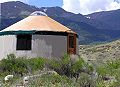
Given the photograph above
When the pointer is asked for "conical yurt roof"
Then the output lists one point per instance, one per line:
(38, 23)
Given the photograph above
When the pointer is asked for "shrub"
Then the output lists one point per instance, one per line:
(21, 65)
(13, 65)
(67, 66)
(109, 74)
(52, 80)
(78, 66)
(111, 68)
(84, 80)
(36, 64)
(61, 66)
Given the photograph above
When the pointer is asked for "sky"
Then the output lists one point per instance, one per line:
(76, 6)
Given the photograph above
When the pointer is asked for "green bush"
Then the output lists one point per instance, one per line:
(111, 71)
(13, 65)
(84, 80)
(36, 63)
(67, 66)
(78, 65)
(52, 80)
(61, 66)
(111, 68)
(21, 65)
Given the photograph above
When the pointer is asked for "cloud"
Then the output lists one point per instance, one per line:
(71, 5)
(2, 1)
(89, 6)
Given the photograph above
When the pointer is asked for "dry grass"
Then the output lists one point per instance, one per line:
(101, 52)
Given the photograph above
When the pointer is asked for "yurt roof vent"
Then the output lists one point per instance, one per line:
(38, 13)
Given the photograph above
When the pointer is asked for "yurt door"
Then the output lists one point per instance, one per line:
(71, 43)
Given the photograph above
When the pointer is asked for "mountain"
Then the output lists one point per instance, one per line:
(90, 28)
(109, 18)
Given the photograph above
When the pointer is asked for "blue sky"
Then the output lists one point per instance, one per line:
(46, 3)
(75, 6)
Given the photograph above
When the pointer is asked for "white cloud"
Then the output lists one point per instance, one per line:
(113, 6)
(89, 6)
(1, 1)
(71, 5)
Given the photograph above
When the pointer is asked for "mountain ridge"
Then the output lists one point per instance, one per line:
(110, 18)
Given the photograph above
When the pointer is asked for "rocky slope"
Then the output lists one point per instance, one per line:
(102, 52)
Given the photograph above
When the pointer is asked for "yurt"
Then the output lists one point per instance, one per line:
(38, 36)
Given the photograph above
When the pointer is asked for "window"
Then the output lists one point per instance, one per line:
(23, 42)
(71, 41)
(71, 44)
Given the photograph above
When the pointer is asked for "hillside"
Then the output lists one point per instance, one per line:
(89, 30)
(103, 52)
(90, 69)
(109, 18)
